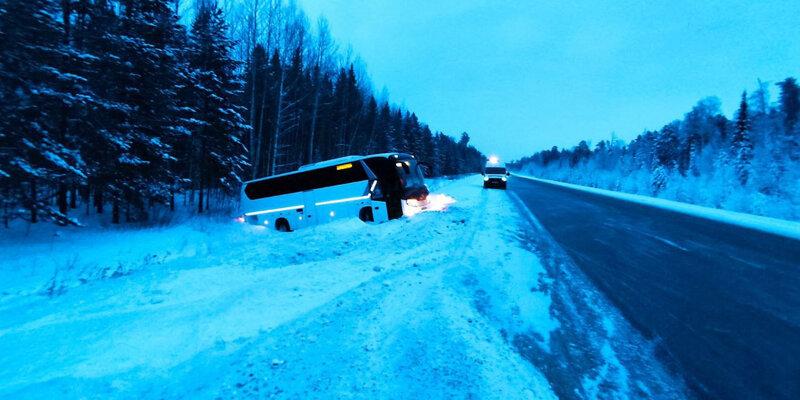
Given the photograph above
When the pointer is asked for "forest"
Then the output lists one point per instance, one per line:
(119, 109)
(750, 163)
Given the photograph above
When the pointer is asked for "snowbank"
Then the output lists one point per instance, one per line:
(766, 224)
(224, 309)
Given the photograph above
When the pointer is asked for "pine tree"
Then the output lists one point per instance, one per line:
(790, 102)
(384, 140)
(372, 125)
(103, 139)
(220, 125)
(790, 109)
(38, 150)
(742, 146)
(148, 80)
(667, 146)
(256, 75)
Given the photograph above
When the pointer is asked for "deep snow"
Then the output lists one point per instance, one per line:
(452, 304)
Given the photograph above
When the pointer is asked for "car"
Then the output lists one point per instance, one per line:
(495, 176)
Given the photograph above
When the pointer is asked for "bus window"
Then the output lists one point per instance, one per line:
(410, 175)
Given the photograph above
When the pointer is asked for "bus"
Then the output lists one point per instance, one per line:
(374, 188)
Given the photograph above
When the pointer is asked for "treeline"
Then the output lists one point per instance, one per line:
(120, 106)
(750, 163)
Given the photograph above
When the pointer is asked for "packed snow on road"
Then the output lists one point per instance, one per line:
(470, 300)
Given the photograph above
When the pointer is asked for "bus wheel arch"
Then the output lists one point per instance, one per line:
(282, 225)
(365, 214)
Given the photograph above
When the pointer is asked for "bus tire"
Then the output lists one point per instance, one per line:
(282, 225)
(365, 214)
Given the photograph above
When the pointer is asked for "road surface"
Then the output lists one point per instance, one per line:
(723, 301)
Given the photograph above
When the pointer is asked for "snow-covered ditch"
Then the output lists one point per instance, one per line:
(447, 304)
(152, 312)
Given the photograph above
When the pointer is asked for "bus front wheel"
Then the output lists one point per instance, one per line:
(366, 214)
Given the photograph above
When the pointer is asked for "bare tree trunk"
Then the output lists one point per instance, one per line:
(115, 211)
(260, 140)
(314, 114)
(62, 198)
(372, 134)
(34, 215)
(253, 75)
(98, 200)
(278, 121)
(208, 192)
(202, 177)
(355, 135)
(87, 192)
(258, 160)
(73, 197)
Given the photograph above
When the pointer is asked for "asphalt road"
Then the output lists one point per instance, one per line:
(722, 300)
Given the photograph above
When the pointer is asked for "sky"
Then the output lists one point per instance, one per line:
(523, 76)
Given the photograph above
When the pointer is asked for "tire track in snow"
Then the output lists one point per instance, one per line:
(414, 335)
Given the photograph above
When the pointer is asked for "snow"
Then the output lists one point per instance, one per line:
(775, 226)
(340, 310)
(454, 302)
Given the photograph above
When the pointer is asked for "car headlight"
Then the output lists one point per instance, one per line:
(485, 178)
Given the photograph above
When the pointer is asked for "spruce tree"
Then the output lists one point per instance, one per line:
(742, 145)
(790, 103)
(148, 82)
(219, 125)
(37, 149)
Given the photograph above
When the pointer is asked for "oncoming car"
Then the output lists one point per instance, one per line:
(495, 176)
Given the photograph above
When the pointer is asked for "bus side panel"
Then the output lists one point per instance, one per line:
(286, 204)
(379, 211)
(311, 215)
(341, 201)
(318, 206)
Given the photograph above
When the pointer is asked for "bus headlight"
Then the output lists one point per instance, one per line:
(503, 178)
(485, 178)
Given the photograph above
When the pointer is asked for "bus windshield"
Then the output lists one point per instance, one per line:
(496, 170)
(409, 173)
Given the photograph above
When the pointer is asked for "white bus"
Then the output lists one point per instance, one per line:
(374, 188)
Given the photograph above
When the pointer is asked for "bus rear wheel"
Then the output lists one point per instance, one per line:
(282, 225)
(365, 214)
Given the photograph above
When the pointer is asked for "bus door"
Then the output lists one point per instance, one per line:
(309, 215)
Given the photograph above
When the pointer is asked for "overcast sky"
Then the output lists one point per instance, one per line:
(522, 76)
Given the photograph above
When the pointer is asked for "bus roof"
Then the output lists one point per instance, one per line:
(346, 159)
(328, 163)
(335, 161)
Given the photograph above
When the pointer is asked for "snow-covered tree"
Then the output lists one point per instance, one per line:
(38, 150)
(219, 125)
(742, 145)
